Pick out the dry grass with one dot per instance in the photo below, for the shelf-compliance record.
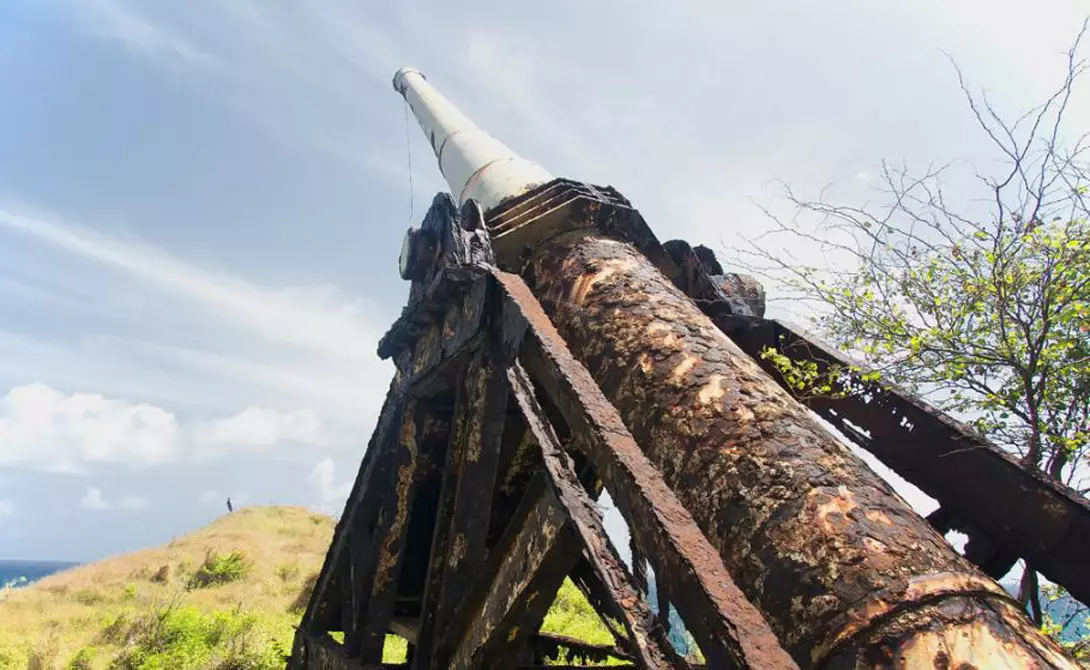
(48, 623)
(87, 617)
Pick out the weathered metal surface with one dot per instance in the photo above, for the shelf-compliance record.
(458, 552)
(319, 615)
(551, 647)
(422, 431)
(718, 293)
(955, 633)
(979, 486)
(804, 526)
(727, 627)
(514, 594)
(645, 641)
(314, 652)
(639, 564)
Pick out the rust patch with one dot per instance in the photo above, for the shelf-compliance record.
(682, 368)
(405, 477)
(712, 391)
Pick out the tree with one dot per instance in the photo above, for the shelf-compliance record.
(984, 311)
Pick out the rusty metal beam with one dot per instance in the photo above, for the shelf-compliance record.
(551, 646)
(730, 631)
(648, 647)
(422, 431)
(977, 483)
(811, 534)
(320, 652)
(639, 564)
(458, 552)
(513, 595)
(317, 617)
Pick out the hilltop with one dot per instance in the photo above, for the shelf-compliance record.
(230, 591)
(226, 596)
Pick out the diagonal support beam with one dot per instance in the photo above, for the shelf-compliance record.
(420, 429)
(512, 596)
(461, 527)
(320, 616)
(728, 628)
(649, 648)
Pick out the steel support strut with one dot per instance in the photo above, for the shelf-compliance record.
(845, 572)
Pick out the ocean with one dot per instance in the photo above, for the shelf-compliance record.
(11, 571)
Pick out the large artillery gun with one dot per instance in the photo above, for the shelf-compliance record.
(552, 349)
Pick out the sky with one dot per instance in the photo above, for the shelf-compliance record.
(202, 202)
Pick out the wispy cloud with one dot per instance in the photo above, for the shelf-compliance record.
(322, 477)
(299, 347)
(93, 500)
(260, 428)
(111, 19)
(307, 318)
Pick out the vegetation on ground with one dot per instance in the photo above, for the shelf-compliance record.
(225, 597)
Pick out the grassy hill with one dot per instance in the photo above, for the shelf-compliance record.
(225, 596)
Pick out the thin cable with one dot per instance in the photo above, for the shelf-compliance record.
(409, 155)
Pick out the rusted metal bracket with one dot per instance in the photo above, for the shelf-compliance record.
(561, 206)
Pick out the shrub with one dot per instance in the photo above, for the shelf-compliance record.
(82, 660)
(89, 597)
(43, 656)
(114, 631)
(220, 569)
(287, 571)
(162, 575)
(184, 638)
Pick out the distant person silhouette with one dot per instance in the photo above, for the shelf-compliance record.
(230, 507)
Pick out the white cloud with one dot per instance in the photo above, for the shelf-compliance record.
(110, 19)
(261, 427)
(322, 477)
(209, 495)
(7, 508)
(45, 429)
(93, 500)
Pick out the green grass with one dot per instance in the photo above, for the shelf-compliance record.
(220, 597)
(226, 596)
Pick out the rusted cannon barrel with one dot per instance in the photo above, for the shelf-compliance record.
(846, 573)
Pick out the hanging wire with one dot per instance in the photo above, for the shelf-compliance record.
(409, 155)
